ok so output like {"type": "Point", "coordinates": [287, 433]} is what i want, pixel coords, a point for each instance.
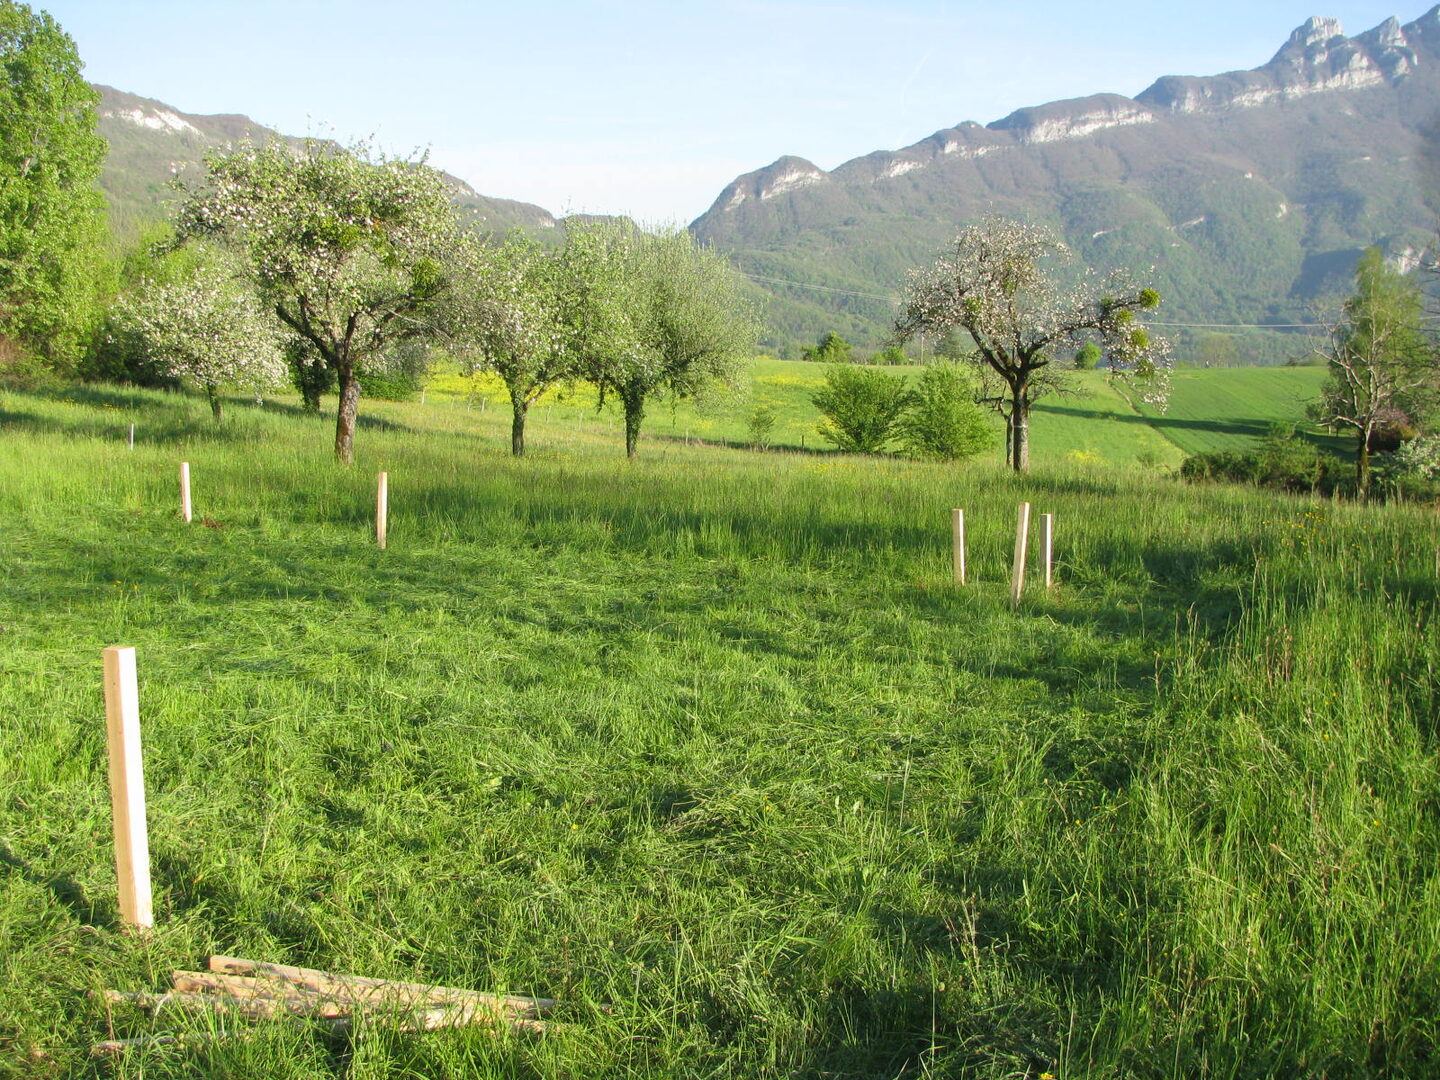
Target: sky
{"type": "Point", "coordinates": [651, 107]}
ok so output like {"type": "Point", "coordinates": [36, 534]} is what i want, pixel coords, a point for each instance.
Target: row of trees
{"type": "Point", "coordinates": [335, 260]}
{"type": "Point", "coordinates": [332, 262]}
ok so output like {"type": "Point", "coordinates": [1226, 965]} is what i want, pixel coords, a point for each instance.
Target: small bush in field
{"type": "Point", "coordinates": [861, 407]}
{"type": "Point", "coordinates": [943, 421]}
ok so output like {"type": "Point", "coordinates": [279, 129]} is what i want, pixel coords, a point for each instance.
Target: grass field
{"type": "Point", "coordinates": [1209, 409]}
{"type": "Point", "coordinates": [713, 742]}
{"type": "Point", "coordinates": [1215, 409]}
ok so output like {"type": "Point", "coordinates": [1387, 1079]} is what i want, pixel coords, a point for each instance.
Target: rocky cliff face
{"type": "Point", "coordinates": [1317, 59]}
{"type": "Point", "coordinates": [1244, 197]}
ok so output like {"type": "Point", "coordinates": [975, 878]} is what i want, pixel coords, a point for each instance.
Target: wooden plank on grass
{"type": "Point", "coordinates": [362, 989]}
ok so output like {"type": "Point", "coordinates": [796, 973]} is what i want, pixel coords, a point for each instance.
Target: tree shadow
{"type": "Point", "coordinates": [66, 890]}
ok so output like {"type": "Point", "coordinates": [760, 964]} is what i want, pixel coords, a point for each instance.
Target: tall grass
{"type": "Point", "coordinates": [713, 740]}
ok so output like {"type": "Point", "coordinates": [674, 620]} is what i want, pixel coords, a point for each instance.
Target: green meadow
{"type": "Point", "coordinates": [1103, 422]}
{"type": "Point", "coordinates": [712, 749]}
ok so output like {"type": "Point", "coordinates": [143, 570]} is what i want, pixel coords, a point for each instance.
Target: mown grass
{"type": "Point", "coordinates": [713, 740]}
{"type": "Point", "coordinates": [1217, 409]}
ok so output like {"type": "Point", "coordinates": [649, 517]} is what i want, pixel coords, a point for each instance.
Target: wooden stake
{"type": "Point", "coordinates": [382, 509]}
{"type": "Point", "coordinates": [958, 529]}
{"type": "Point", "coordinates": [127, 786]}
{"type": "Point", "coordinates": [185, 491]}
{"type": "Point", "coordinates": [1047, 547]}
{"type": "Point", "coordinates": [1022, 537]}
{"type": "Point", "coordinates": [132, 436]}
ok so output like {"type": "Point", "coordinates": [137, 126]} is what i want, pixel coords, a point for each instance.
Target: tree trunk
{"type": "Point", "coordinates": [518, 408]}
{"type": "Point", "coordinates": [346, 414]}
{"type": "Point", "coordinates": [1362, 463]}
{"type": "Point", "coordinates": [634, 414]}
{"type": "Point", "coordinates": [1019, 431]}
{"type": "Point", "coordinates": [215, 403]}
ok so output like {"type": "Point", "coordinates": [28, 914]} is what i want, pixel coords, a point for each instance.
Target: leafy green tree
{"type": "Point", "coordinates": [207, 328]}
{"type": "Point", "coordinates": [1087, 357]}
{"type": "Point", "coordinates": [51, 211]}
{"type": "Point", "coordinates": [862, 407]}
{"type": "Point", "coordinates": [943, 421]}
{"type": "Point", "coordinates": [507, 315]}
{"type": "Point", "coordinates": [683, 324]}
{"type": "Point", "coordinates": [1381, 363]}
{"type": "Point", "coordinates": [762, 425]}
{"type": "Point", "coordinates": [1217, 350]}
{"type": "Point", "coordinates": [346, 251]}
{"type": "Point", "coordinates": [830, 349]}
{"type": "Point", "coordinates": [891, 355]}
{"type": "Point", "coordinates": [997, 285]}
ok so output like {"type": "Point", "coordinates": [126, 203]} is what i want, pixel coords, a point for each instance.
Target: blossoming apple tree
{"type": "Point", "coordinates": [346, 250]}
{"type": "Point", "coordinates": [1002, 285]}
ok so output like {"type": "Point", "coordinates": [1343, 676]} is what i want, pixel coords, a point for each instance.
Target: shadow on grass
{"type": "Point", "coordinates": [165, 417]}
{"type": "Point", "coordinates": [66, 891]}
{"type": "Point", "coordinates": [1236, 426]}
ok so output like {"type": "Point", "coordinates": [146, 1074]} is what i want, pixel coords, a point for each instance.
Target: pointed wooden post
{"type": "Point", "coordinates": [382, 509]}
{"type": "Point", "coordinates": [185, 491]}
{"type": "Point", "coordinates": [1047, 547]}
{"type": "Point", "coordinates": [1022, 537]}
{"type": "Point", "coordinates": [127, 787]}
{"type": "Point", "coordinates": [132, 436]}
{"type": "Point", "coordinates": [958, 542]}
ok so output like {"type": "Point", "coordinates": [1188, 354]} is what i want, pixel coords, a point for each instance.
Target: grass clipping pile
{"type": "Point", "coordinates": [337, 1004]}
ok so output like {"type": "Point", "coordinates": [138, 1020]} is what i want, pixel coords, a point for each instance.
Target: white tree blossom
{"type": "Point", "coordinates": [506, 315]}
{"type": "Point", "coordinates": [1001, 285]}
{"type": "Point", "coordinates": [208, 328]}
{"type": "Point", "coordinates": [346, 251]}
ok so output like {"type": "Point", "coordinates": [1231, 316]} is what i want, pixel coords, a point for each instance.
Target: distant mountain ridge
{"type": "Point", "coordinates": [150, 141]}
{"type": "Point", "coordinates": [1249, 193]}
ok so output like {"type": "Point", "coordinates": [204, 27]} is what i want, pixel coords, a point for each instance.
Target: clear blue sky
{"type": "Point", "coordinates": [650, 107]}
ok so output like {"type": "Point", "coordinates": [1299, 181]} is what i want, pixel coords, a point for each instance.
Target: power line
{"type": "Point", "coordinates": [1243, 325]}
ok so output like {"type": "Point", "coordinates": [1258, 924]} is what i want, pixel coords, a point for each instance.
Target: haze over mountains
{"type": "Point", "coordinates": [1244, 197]}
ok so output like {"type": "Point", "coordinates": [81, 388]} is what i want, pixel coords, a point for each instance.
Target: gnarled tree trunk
{"type": "Point", "coordinates": [346, 414]}
{"type": "Point", "coordinates": [519, 407]}
{"type": "Point", "coordinates": [1019, 448]}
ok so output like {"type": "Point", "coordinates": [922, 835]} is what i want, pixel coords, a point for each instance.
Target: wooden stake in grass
{"type": "Point", "coordinates": [185, 491]}
{"type": "Point", "coordinates": [132, 436]}
{"type": "Point", "coordinates": [957, 518]}
{"type": "Point", "coordinates": [1022, 538]}
{"type": "Point", "coordinates": [127, 786]}
{"type": "Point", "coordinates": [1047, 547]}
{"type": "Point", "coordinates": [382, 509]}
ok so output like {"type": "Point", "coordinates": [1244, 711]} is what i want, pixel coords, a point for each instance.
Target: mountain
{"type": "Point", "coordinates": [150, 142]}
{"type": "Point", "coordinates": [1244, 197]}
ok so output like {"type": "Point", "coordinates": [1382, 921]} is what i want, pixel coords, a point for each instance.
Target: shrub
{"type": "Point", "coordinates": [1413, 471]}
{"type": "Point", "coordinates": [943, 422]}
{"type": "Point", "coordinates": [762, 423]}
{"type": "Point", "coordinates": [861, 407]}
{"type": "Point", "coordinates": [830, 349]}
{"type": "Point", "coordinates": [1283, 462]}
